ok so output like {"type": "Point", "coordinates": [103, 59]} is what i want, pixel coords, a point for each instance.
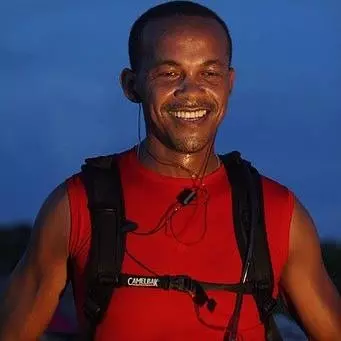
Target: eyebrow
{"type": "Point", "coordinates": [214, 62]}
{"type": "Point", "coordinates": [170, 62]}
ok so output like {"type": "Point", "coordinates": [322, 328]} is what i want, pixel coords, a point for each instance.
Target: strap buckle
{"type": "Point", "coordinates": [269, 304]}
{"type": "Point", "coordinates": [197, 292]}
{"type": "Point", "coordinates": [268, 307]}
{"type": "Point", "coordinates": [92, 310]}
{"type": "Point", "coordinates": [182, 283]}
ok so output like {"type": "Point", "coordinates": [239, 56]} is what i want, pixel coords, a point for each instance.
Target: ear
{"type": "Point", "coordinates": [128, 84]}
{"type": "Point", "coordinates": [231, 79]}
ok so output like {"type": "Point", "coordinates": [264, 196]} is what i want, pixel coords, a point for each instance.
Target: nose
{"type": "Point", "coordinates": [189, 87]}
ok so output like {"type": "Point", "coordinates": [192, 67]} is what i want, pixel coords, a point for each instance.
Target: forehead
{"type": "Point", "coordinates": [182, 38]}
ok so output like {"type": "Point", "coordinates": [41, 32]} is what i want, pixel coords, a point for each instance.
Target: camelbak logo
{"type": "Point", "coordinates": [142, 282]}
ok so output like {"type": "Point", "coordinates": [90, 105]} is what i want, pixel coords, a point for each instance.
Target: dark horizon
{"type": "Point", "coordinates": [61, 100]}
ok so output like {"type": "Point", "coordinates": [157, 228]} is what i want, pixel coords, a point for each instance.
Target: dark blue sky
{"type": "Point", "coordinates": [60, 99]}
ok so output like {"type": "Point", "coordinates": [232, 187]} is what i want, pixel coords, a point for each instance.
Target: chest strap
{"type": "Point", "coordinates": [196, 289]}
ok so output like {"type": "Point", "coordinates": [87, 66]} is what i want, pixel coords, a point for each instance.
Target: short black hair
{"type": "Point", "coordinates": [166, 10]}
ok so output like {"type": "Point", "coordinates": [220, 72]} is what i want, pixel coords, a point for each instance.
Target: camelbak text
{"type": "Point", "coordinates": [142, 281]}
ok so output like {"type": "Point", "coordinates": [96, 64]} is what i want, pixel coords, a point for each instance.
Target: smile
{"type": "Point", "coordinates": [189, 115]}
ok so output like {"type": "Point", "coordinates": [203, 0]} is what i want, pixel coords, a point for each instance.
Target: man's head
{"type": "Point", "coordinates": [180, 54]}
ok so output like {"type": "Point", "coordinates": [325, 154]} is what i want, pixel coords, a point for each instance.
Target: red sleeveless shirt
{"type": "Point", "coordinates": [204, 247]}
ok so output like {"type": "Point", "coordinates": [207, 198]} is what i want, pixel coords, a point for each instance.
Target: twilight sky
{"type": "Point", "coordinates": [60, 99]}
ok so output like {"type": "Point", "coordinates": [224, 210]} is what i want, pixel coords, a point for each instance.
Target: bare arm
{"type": "Point", "coordinates": [39, 278]}
{"type": "Point", "coordinates": [306, 282]}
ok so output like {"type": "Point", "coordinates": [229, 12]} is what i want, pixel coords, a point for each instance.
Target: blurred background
{"type": "Point", "coordinates": [60, 101]}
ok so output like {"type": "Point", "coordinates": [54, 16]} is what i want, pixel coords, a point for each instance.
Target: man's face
{"type": "Point", "coordinates": [184, 81]}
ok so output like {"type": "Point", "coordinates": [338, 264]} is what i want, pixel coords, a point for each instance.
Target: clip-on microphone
{"type": "Point", "coordinates": [186, 196]}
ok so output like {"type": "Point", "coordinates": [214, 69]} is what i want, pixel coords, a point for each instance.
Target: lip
{"type": "Point", "coordinates": [189, 109]}
{"type": "Point", "coordinates": [191, 121]}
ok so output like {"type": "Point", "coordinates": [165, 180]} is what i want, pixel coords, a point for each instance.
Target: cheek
{"type": "Point", "coordinates": [223, 92]}
{"type": "Point", "coordinates": [157, 95]}
{"type": "Point", "coordinates": [220, 96]}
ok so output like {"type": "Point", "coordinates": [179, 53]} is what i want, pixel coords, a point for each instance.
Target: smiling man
{"type": "Point", "coordinates": [179, 195]}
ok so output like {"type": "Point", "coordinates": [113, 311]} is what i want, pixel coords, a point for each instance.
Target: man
{"type": "Point", "coordinates": [181, 74]}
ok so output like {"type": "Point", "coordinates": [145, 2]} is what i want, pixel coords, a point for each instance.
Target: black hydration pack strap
{"type": "Point", "coordinates": [248, 219]}
{"type": "Point", "coordinates": [102, 182]}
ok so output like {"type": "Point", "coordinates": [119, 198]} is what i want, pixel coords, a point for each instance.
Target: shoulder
{"type": "Point", "coordinates": [303, 232]}
{"type": "Point", "coordinates": [50, 235]}
{"type": "Point", "coordinates": [54, 208]}
{"type": "Point", "coordinates": [277, 196]}
{"type": "Point", "coordinates": [274, 187]}
{"type": "Point", "coordinates": [74, 184]}
{"type": "Point", "coordinates": [80, 221]}
{"type": "Point", "coordinates": [105, 161]}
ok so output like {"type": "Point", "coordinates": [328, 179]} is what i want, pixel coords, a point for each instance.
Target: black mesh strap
{"type": "Point", "coordinates": [244, 203]}
{"type": "Point", "coordinates": [101, 179]}
{"type": "Point", "coordinates": [262, 269]}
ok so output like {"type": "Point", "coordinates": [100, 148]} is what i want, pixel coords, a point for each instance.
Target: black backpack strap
{"type": "Point", "coordinates": [101, 179]}
{"type": "Point", "coordinates": [247, 200]}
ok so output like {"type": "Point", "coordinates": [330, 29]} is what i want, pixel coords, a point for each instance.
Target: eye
{"type": "Point", "coordinates": [168, 74]}
{"type": "Point", "coordinates": [210, 74]}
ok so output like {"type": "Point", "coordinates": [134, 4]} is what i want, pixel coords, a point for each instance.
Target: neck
{"type": "Point", "coordinates": [156, 156]}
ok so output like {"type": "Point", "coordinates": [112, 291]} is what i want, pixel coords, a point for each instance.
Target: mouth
{"type": "Point", "coordinates": [189, 115]}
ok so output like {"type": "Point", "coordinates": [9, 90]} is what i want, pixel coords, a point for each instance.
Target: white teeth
{"type": "Point", "coordinates": [189, 115]}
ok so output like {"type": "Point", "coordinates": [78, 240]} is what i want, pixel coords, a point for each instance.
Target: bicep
{"type": "Point", "coordinates": [306, 282]}
{"type": "Point", "coordinates": [39, 278]}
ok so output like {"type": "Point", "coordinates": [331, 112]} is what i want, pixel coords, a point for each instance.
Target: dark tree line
{"type": "Point", "coordinates": [13, 243]}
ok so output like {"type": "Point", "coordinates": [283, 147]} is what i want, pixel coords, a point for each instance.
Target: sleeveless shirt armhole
{"type": "Point", "coordinates": [77, 202]}
{"type": "Point", "coordinates": [291, 204]}
{"type": "Point", "coordinates": [278, 206]}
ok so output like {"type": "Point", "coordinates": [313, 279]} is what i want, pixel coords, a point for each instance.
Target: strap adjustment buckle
{"type": "Point", "coordinates": [192, 287]}
{"type": "Point", "coordinates": [92, 310]}
{"type": "Point", "coordinates": [269, 304]}
{"type": "Point", "coordinates": [182, 283]}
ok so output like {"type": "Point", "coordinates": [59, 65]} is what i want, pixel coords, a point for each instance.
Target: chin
{"type": "Point", "coordinates": [190, 146]}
